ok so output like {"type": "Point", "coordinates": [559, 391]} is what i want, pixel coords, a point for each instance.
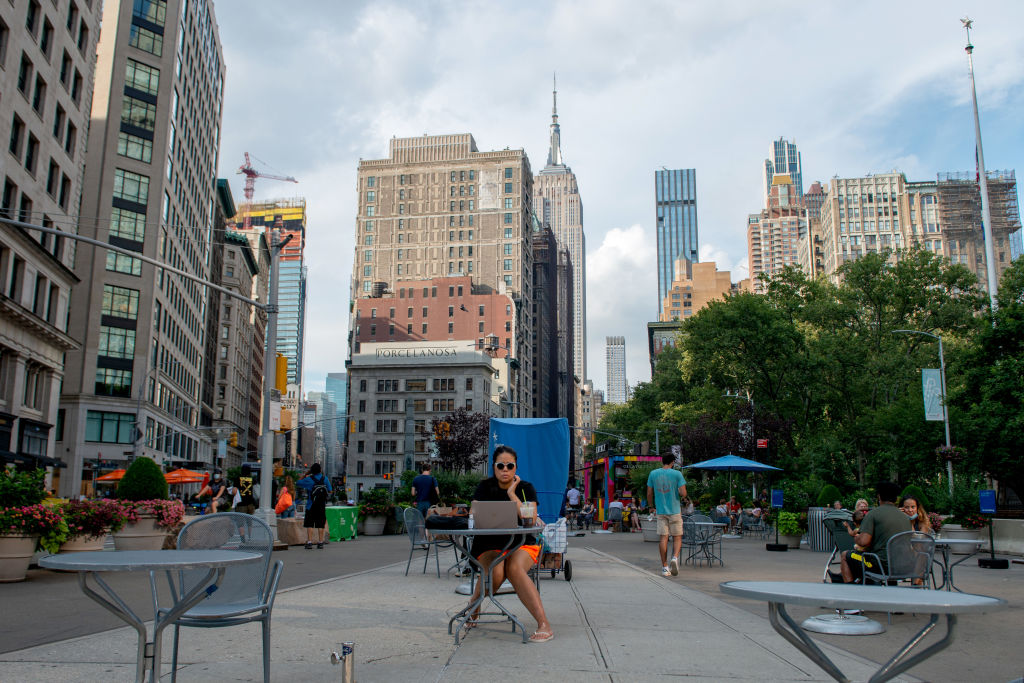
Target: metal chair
{"type": "Point", "coordinates": [246, 594]}
{"type": "Point", "coordinates": [419, 539]}
{"type": "Point", "coordinates": [755, 525]}
{"type": "Point", "coordinates": [615, 518]}
{"type": "Point", "coordinates": [842, 542]}
{"type": "Point", "coordinates": [909, 558]}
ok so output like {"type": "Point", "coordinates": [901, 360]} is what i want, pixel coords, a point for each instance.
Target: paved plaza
{"type": "Point", "coordinates": [617, 620]}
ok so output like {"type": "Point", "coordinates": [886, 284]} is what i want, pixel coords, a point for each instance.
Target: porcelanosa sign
{"type": "Point", "coordinates": [430, 352]}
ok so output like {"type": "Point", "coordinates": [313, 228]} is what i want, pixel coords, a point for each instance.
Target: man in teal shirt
{"type": "Point", "coordinates": [665, 487]}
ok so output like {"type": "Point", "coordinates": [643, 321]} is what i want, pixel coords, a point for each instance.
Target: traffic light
{"type": "Point", "coordinates": [233, 439]}
{"type": "Point", "coordinates": [387, 475]}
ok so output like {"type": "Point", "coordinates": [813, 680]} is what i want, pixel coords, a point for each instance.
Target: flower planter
{"type": "Point", "coordinates": [792, 541]}
{"type": "Point", "coordinates": [15, 555]}
{"type": "Point", "coordinates": [955, 531]}
{"type": "Point", "coordinates": [375, 525]}
{"type": "Point", "coordinates": [144, 534]}
{"type": "Point", "coordinates": [80, 544]}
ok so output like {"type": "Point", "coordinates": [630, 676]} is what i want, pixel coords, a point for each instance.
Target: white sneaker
{"type": "Point", "coordinates": [674, 566]}
{"type": "Point", "coordinates": [665, 571]}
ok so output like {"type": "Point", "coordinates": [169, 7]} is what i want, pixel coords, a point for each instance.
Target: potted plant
{"type": "Point", "coordinates": [964, 521]}
{"type": "Point", "coordinates": [148, 513]}
{"type": "Point", "coordinates": [374, 507]}
{"type": "Point", "coordinates": [26, 525]}
{"type": "Point", "coordinates": [89, 522]}
{"type": "Point", "coordinates": [791, 529]}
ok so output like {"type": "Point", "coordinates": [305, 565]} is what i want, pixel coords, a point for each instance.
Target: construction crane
{"type": "Point", "coordinates": [251, 174]}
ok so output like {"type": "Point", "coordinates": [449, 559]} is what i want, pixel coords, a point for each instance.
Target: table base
{"type": "Point", "coordinates": [842, 624]}
{"type": "Point", "coordinates": [900, 662]}
{"type": "Point", "coordinates": [947, 567]}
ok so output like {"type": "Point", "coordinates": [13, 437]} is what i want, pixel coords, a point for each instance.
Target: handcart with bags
{"type": "Point", "coordinates": [554, 544]}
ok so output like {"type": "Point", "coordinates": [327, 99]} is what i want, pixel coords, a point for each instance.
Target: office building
{"type": "Point", "coordinates": [288, 216]}
{"type": "Point", "coordinates": [675, 193]}
{"type": "Point", "coordinates": [47, 62]}
{"type": "Point", "coordinates": [438, 208]}
{"type": "Point", "coordinates": [396, 391]}
{"type": "Point", "coordinates": [329, 425]}
{"type": "Point", "coordinates": [557, 203]}
{"type": "Point", "coordinates": [773, 234]}
{"type": "Point", "coordinates": [150, 184]}
{"type": "Point", "coordinates": [810, 256]}
{"type": "Point", "coordinates": [694, 286]}
{"type": "Point", "coordinates": [783, 159]}
{"type": "Point", "coordinates": [618, 385]}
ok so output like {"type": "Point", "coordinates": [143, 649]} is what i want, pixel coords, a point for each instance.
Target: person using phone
{"type": "Point", "coordinates": [505, 484]}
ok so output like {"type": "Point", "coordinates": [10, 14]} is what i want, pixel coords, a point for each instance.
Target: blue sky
{"type": "Point", "coordinates": [312, 87]}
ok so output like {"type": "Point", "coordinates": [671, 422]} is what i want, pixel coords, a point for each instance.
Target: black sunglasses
{"type": "Point", "coordinates": [504, 465]}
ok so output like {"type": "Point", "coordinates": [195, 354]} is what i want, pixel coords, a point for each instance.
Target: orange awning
{"type": "Point", "coordinates": [183, 476]}
{"type": "Point", "coordinates": [112, 476]}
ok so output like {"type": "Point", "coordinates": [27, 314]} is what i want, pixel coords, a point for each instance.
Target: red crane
{"type": "Point", "coordinates": [251, 174]}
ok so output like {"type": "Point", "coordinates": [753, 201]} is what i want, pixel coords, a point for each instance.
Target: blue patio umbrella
{"type": "Point", "coordinates": [732, 463]}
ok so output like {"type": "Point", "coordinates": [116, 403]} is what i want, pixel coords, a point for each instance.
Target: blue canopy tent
{"type": "Point", "coordinates": [542, 456]}
{"type": "Point", "coordinates": [732, 463]}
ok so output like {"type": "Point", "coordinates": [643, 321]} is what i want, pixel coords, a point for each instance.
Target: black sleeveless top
{"type": "Point", "coordinates": [488, 489]}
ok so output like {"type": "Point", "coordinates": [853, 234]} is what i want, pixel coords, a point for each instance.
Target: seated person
{"type": "Point", "coordinates": [721, 513]}
{"type": "Point", "coordinates": [587, 514]}
{"type": "Point", "coordinates": [217, 489]}
{"type": "Point", "coordinates": [913, 509]}
{"type": "Point", "coordinates": [878, 526]}
{"type": "Point", "coordinates": [734, 511]}
{"type": "Point", "coordinates": [687, 506]}
{"type": "Point", "coordinates": [634, 517]}
{"type": "Point", "coordinates": [615, 515]}
{"type": "Point", "coordinates": [861, 506]}
{"type": "Point", "coordinates": [505, 484]}
{"type": "Point", "coordinates": [837, 505]}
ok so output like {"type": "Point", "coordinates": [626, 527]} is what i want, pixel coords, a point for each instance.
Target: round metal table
{"type": "Point", "coordinates": [947, 546]}
{"type": "Point", "coordinates": [95, 563]}
{"type": "Point", "coordinates": [778, 594]}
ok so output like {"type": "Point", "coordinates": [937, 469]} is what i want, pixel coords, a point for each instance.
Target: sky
{"type": "Point", "coordinates": [314, 86]}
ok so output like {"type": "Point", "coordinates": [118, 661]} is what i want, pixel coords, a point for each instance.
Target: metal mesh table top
{"type": "Point", "coordinates": [875, 598]}
{"type": "Point", "coordinates": [145, 560]}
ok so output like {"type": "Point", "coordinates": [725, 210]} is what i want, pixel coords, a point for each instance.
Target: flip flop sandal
{"type": "Point", "coordinates": [541, 636]}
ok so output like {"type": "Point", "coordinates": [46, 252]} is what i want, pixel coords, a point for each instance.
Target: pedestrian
{"type": "Point", "coordinates": [572, 501]}
{"type": "Point", "coordinates": [246, 490]}
{"type": "Point", "coordinates": [665, 486]}
{"type": "Point", "coordinates": [425, 490]}
{"type": "Point", "coordinates": [319, 487]}
{"type": "Point", "coordinates": [285, 507]}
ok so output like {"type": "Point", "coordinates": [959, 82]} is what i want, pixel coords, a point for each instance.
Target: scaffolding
{"type": "Point", "coordinates": [960, 204]}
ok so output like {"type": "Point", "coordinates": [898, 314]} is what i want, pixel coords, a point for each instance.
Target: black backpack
{"type": "Point", "coordinates": [318, 494]}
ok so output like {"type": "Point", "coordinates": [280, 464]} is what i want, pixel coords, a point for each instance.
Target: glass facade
{"type": "Point", "coordinates": [784, 158]}
{"type": "Point", "coordinates": [291, 317]}
{"type": "Point", "coordinates": [675, 194]}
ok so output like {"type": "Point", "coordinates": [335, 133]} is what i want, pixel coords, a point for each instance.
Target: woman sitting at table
{"type": "Point", "coordinates": [506, 485]}
{"type": "Point", "coordinates": [918, 517]}
{"type": "Point", "coordinates": [587, 514]}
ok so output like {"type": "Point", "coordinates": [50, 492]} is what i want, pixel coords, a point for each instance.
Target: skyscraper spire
{"type": "Point", "coordinates": [555, 151]}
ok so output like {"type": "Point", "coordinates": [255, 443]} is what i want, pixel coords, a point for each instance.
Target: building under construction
{"type": "Point", "coordinates": [959, 199]}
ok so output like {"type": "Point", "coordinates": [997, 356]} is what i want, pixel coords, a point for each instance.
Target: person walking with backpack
{"type": "Point", "coordinates": [319, 488]}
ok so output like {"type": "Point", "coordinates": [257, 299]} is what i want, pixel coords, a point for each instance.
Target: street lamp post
{"type": "Point", "coordinates": [945, 409]}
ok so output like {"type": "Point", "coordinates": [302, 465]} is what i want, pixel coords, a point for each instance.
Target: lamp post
{"type": "Point", "coordinates": [945, 409]}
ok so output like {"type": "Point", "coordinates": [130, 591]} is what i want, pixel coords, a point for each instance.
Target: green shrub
{"type": "Point", "coordinates": [790, 524]}
{"type": "Point", "coordinates": [916, 492]}
{"type": "Point", "coordinates": [20, 489]}
{"type": "Point", "coordinates": [376, 502]}
{"type": "Point", "coordinates": [143, 481]}
{"type": "Point", "coordinates": [828, 495]}
{"type": "Point", "coordinates": [457, 487]}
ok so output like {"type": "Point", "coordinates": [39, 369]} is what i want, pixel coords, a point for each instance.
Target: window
{"type": "Point", "coordinates": [120, 302]}
{"type": "Point", "coordinates": [416, 385]}
{"type": "Point", "coordinates": [508, 218]}
{"type": "Point", "coordinates": [32, 19]}
{"type": "Point", "coordinates": [371, 181]}
{"type": "Point", "coordinates": [51, 178]}
{"type": "Point", "coordinates": [47, 40]}
{"type": "Point", "coordinates": [508, 173]}
{"type": "Point", "coordinates": [110, 382]}
{"type": "Point", "coordinates": [371, 196]}
{"type": "Point", "coordinates": [141, 77]}
{"type": "Point", "coordinates": [508, 264]}
{"type": "Point", "coordinates": [508, 202]}
{"type": "Point", "coordinates": [5, 36]}
{"type": "Point", "coordinates": [469, 384]}
{"type": "Point", "coordinates": [134, 147]}
{"type": "Point", "coordinates": [59, 117]}
{"type": "Point", "coordinates": [109, 427]}
{"type": "Point", "coordinates": [65, 192]}
{"type": "Point", "coordinates": [146, 40]}
{"type": "Point", "coordinates": [24, 74]}
{"type": "Point", "coordinates": [83, 37]}
{"type": "Point", "coordinates": [17, 135]}
{"type": "Point", "coordinates": [76, 88]}
{"type": "Point", "coordinates": [451, 328]}
{"type": "Point", "coordinates": [508, 233]}
{"type": "Point", "coordinates": [122, 263]}
{"type": "Point", "coordinates": [137, 113]}
{"type": "Point", "coordinates": [70, 139]}
{"type": "Point", "coordinates": [131, 186]}
{"type": "Point", "coordinates": [116, 342]}
{"type": "Point", "coordinates": [153, 11]}
{"type": "Point", "coordinates": [128, 224]}
{"type": "Point", "coordinates": [39, 95]}
{"type": "Point", "coordinates": [31, 154]}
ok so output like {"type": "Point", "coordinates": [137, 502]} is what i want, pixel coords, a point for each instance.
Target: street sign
{"type": "Point", "coordinates": [777, 499]}
{"type": "Point", "coordinates": [762, 443]}
{"type": "Point", "coordinates": [987, 501]}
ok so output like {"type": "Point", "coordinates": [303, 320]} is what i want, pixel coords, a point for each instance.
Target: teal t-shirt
{"type": "Point", "coordinates": [666, 483]}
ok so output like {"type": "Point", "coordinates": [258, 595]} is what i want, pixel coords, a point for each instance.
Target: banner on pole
{"type": "Point", "coordinates": [931, 385]}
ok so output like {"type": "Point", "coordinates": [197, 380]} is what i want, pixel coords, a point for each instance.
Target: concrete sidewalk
{"type": "Point", "coordinates": [613, 622]}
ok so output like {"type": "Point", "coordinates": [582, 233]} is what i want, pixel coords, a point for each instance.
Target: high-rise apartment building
{"type": "Point", "coordinates": [810, 254]}
{"type": "Point", "coordinates": [694, 286]}
{"type": "Point", "coordinates": [618, 385]}
{"type": "Point", "coordinates": [150, 187]}
{"type": "Point", "coordinates": [675, 193]}
{"type": "Point", "coordinates": [784, 159]}
{"type": "Point", "coordinates": [773, 235]}
{"type": "Point", "coordinates": [288, 216]}
{"type": "Point", "coordinates": [47, 60]}
{"type": "Point", "coordinates": [557, 203]}
{"type": "Point", "coordinates": [337, 389]}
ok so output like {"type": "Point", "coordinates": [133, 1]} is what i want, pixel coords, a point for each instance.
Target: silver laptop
{"type": "Point", "coordinates": [495, 514]}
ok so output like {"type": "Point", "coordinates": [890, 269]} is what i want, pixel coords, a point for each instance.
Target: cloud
{"type": "Point", "coordinates": [861, 87]}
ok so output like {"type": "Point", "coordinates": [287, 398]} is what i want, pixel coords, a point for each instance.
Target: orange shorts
{"type": "Point", "coordinates": [532, 550]}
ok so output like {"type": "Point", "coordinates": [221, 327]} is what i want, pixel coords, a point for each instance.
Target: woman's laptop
{"type": "Point", "coordinates": [495, 514]}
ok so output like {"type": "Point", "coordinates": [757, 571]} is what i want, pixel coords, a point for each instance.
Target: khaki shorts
{"type": "Point", "coordinates": [670, 525]}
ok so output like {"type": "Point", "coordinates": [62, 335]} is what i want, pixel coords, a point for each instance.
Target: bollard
{"type": "Point", "coordinates": [347, 659]}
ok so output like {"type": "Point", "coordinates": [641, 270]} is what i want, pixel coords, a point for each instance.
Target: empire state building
{"type": "Point", "coordinates": [557, 200]}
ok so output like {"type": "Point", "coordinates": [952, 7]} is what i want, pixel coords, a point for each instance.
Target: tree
{"type": "Point", "coordinates": [460, 438]}
{"type": "Point", "coordinates": [988, 404]}
{"type": "Point", "coordinates": [143, 481]}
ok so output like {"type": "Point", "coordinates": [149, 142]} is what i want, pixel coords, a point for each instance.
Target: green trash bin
{"type": "Point", "coordinates": [341, 520]}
